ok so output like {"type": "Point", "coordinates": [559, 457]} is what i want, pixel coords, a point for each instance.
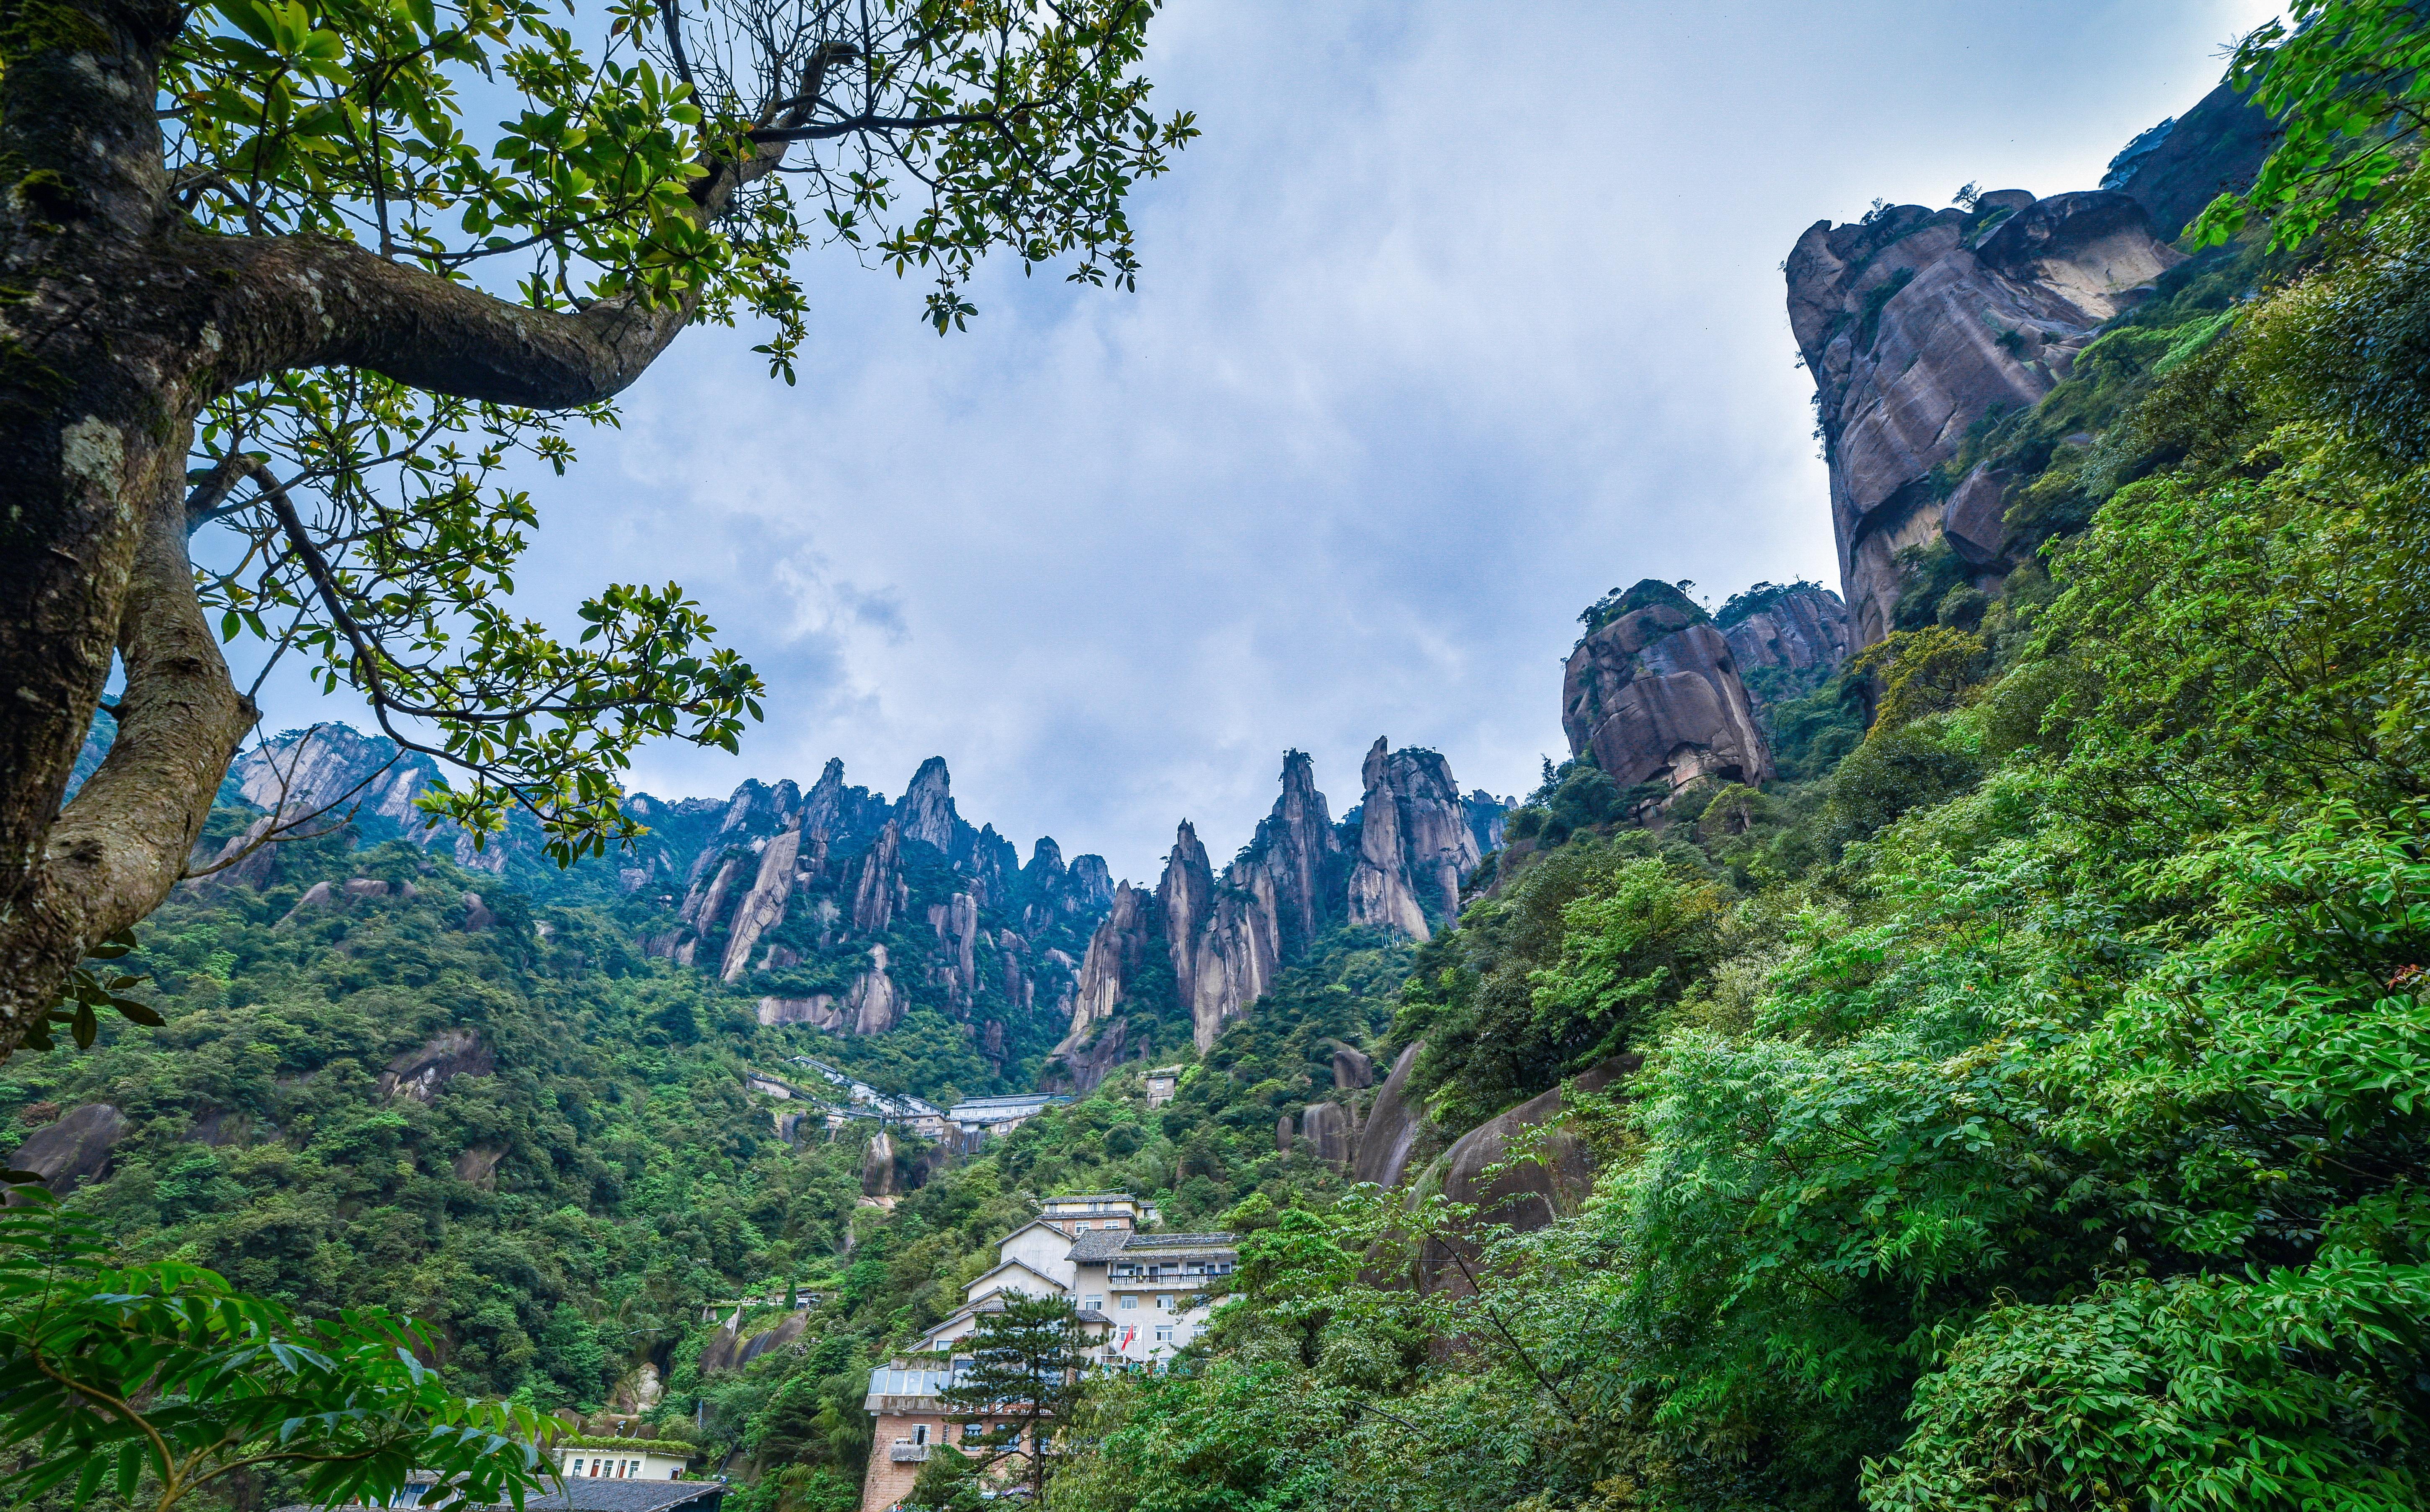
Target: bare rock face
{"type": "Point", "coordinates": [477, 1165]}
{"type": "Point", "coordinates": [1352, 1071]}
{"type": "Point", "coordinates": [957, 925]}
{"type": "Point", "coordinates": [1414, 842]}
{"type": "Point", "coordinates": [1655, 696]}
{"type": "Point", "coordinates": [75, 1149]}
{"type": "Point", "coordinates": [1527, 1195]}
{"type": "Point", "coordinates": [1488, 818]}
{"type": "Point", "coordinates": [2180, 166]}
{"type": "Point", "coordinates": [877, 1167]}
{"type": "Point", "coordinates": [785, 1333]}
{"type": "Point", "coordinates": [424, 1073]}
{"type": "Point", "coordinates": [1393, 1124]}
{"type": "Point", "coordinates": [874, 1002]}
{"type": "Point", "coordinates": [1124, 940]}
{"type": "Point", "coordinates": [818, 1010]}
{"type": "Point", "coordinates": [881, 891]}
{"type": "Point", "coordinates": [763, 906]}
{"type": "Point", "coordinates": [1327, 1128]}
{"type": "Point", "coordinates": [478, 916]}
{"type": "Point", "coordinates": [1915, 322]}
{"type": "Point", "coordinates": [1803, 629]}
{"type": "Point", "coordinates": [927, 812]}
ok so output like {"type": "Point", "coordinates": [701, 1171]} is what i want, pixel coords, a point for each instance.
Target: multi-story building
{"type": "Point", "coordinates": [977, 1118]}
{"type": "Point", "coordinates": [623, 1460]}
{"type": "Point", "coordinates": [1162, 1082]}
{"type": "Point", "coordinates": [1140, 1298]}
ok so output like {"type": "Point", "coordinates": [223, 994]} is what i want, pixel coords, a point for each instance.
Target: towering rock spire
{"type": "Point", "coordinates": [1185, 899]}
{"type": "Point", "coordinates": [927, 812]}
{"type": "Point", "coordinates": [881, 883]}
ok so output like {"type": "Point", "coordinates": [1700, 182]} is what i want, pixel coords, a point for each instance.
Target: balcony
{"type": "Point", "coordinates": [908, 1453]}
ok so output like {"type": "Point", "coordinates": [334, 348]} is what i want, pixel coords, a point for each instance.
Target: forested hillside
{"type": "Point", "coordinates": [1981, 1069]}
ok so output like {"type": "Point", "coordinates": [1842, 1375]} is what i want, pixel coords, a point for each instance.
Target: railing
{"type": "Point", "coordinates": [908, 1453]}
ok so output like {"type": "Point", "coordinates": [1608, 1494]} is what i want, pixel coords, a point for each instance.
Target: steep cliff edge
{"type": "Point", "coordinates": [1917, 324]}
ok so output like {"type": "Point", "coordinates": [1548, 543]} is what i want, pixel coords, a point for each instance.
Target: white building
{"type": "Point", "coordinates": [1140, 1298]}
{"type": "Point", "coordinates": [623, 1460]}
{"type": "Point", "coordinates": [977, 1118]}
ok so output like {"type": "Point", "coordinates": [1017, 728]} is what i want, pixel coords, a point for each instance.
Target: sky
{"type": "Point", "coordinates": [1456, 316]}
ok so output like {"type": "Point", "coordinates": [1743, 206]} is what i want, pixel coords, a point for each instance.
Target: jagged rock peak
{"type": "Point", "coordinates": [1655, 694]}
{"type": "Point", "coordinates": [1091, 881]}
{"type": "Point", "coordinates": [1414, 843]}
{"type": "Point", "coordinates": [927, 812]}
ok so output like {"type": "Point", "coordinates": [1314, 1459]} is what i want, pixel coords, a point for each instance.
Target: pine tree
{"type": "Point", "coordinates": [1025, 1376]}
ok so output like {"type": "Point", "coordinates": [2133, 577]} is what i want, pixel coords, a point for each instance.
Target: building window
{"type": "Point", "coordinates": [1094, 1303]}
{"type": "Point", "coordinates": [1164, 1334]}
{"type": "Point", "coordinates": [1082, 1229]}
{"type": "Point", "coordinates": [920, 1434]}
{"type": "Point", "coordinates": [973, 1432]}
{"type": "Point", "coordinates": [1165, 1304]}
{"type": "Point", "coordinates": [1130, 1301]}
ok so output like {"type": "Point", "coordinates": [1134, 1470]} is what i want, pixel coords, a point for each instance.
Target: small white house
{"type": "Point", "coordinates": [624, 1459]}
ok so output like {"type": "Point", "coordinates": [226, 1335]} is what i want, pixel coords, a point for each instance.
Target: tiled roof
{"type": "Point", "coordinates": [1090, 1315]}
{"type": "Point", "coordinates": [592, 1493]}
{"type": "Point", "coordinates": [1177, 1241]}
{"type": "Point", "coordinates": [1098, 1245]}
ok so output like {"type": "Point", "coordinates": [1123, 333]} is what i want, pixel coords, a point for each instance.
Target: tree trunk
{"type": "Point", "coordinates": [120, 320]}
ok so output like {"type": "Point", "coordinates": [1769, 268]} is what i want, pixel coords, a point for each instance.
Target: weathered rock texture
{"type": "Point", "coordinates": [1916, 323]}
{"type": "Point", "coordinates": [1393, 1124]}
{"type": "Point", "coordinates": [424, 1073]}
{"type": "Point", "coordinates": [75, 1149]}
{"type": "Point", "coordinates": [1479, 1171]}
{"type": "Point", "coordinates": [1656, 696]}
{"type": "Point", "coordinates": [1224, 935]}
{"type": "Point", "coordinates": [1800, 629]}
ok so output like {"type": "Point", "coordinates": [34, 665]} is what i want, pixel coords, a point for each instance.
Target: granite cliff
{"type": "Point", "coordinates": [1214, 941]}
{"type": "Point", "coordinates": [1917, 324]}
{"type": "Point", "coordinates": [1652, 693]}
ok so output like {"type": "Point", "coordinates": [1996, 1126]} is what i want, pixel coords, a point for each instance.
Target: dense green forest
{"type": "Point", "coordinates": [2019, 1104]}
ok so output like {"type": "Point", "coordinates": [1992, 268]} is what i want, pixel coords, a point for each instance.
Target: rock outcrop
{"type": "Point", "coordinates": [1325, 1126]}
{"type": "Point", "coordinates": [1654, 695]}
{"type": "Point", "coordinates": [1415, 847]}
{"type": "Point", "coordinates": [422, 1073]}
{"type": "Point", "coordinates": [1801, 629]}
{"type": "Point", "coordinates": [874, 1002]}
{"type": "Point", "coordinates": [1478, 1170]}
{"type": "Point", "coordinates": [74, 1149]}
{"type": "Point", "coordinates": [1916, 323]}
{"type": "Point", "coordinates": [1227, 936]}
{"type": "Point", "coordinates": [1390, 1136]}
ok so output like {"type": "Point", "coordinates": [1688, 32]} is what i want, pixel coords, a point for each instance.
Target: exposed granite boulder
{"type": "Point", "coordinates": [1524, 1194]}
{"type": "Point", "coordinates": [478, 916]}
{"type": "Point", "coordinates": [1390, 1136]}
{"type": "Point", "coordinates": [75, 1149]}
{"type": "Point", "coordinates": [477, 1165]}
{"type": "Point", "coordinates": [422, 1073]}
{"type": "Point", "coordinates": [874, 1002]}
{"type": "Point", "coordinates": [785, 1333]}
{"type": "Point", "coordinates": [818, 1010]}
{"type": "Point", "coordinates": [1327, 1128]}
{"type": "Point", "coordinates": [1352, 1070]}
{"type": "Point", "coordinates": [1972, 518]}
{"type": "Point", "coordinates": [1655, 696]}
{"type": "Point", "coordinates": [877, 1167]}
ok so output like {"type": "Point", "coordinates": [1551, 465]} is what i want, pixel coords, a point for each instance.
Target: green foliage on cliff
{"type": "Point", "coordinates": [2052, 1135]}
{"type": "Point", "coordinates": [1647, 595]}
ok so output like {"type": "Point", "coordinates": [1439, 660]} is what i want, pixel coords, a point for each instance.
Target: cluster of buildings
{"type": "Point", "coordinates": [845, 1098]}
{"type": "Point", "coordinates": [1140, 1298]}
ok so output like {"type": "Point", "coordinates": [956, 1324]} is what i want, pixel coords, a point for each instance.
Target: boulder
{"type": "Point", "coordinates": [1327, 1128]}
{"type": "Point", "coordinates": [1804, 630]}
{"type": "Point", "coordinates": [818, 1010]}
{"type": "Point", "coordinates": [775, 1338]}
{"type": "Point", "coordinates": [1284, 1135]}
{"type": "Point", "coordinates": [75, 1149]}
{"type": "Point", "coordinates": [422, 1073]}
{"type": "Point", "coordinates": [1392, 1126]}
{"type": "Point", "coordinates": [478, 1166]}
{"type": "Point", "coordinates": [1352, 1070]}
{"type": "Point", "coordinates": [477, 917]}
{"type": "Point", "coordinates": [1974, 517]}
{"type": "Point", "coordinates": [1656, 696]}
{"type": "Point", "coordinates": [877, 1167]}
{"type": "Point", "coordinates": [1479, 1170]}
